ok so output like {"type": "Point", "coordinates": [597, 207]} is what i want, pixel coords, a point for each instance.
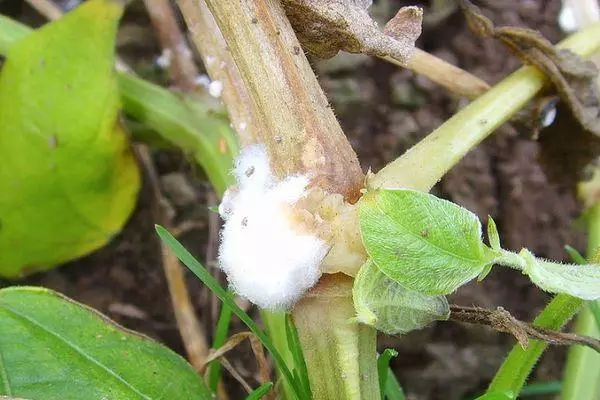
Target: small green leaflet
{"type": "Point", "coordinates": [582, 281]}
{"type": "Point", "coordinates": [386, 305]}
{"type": "Point", "coordinates": [434, 246]}
{"type": "Point", "coordinates": [424, 243]}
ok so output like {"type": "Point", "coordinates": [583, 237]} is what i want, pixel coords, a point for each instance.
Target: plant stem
{"type": "Point", "coordinates": [422, 166]}
{"type": "Point", "coordinates": [345, 350]}
{"type": "Point", "coordinates": [582, 372]}
{"type": "Point", "coordinates": [302, 134]}
{"type": "Point", "coordinates": [444, 74]}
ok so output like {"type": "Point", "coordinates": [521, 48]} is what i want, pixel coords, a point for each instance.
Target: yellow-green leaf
{"type": "Point", "coordinates": [68, 177]}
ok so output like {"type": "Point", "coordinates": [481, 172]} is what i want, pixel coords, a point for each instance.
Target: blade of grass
{"type": "Point", "coordinates": [518, 364]}
{"type": "Point", "coordinates": [221, 333]}
{"type": "Point", "coordinates": [186, 258]}
{"type": "Point", "coordinates": [541, 389]}
{"type": "Point", "coordinates": [575, 255]}
{"type": "Point", "coordinates": [383, 366]}
{"type": "Point", "coordinates": [582, 371]}
{"type": "Point", "coordinates": [299, 364]}
{"type": "Point", "coordinates": [393, 390]}
{"type": "Point", "coordinates": [260, 391]}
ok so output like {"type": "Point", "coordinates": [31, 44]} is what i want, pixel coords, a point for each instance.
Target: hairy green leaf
{"type": "Point", "coordinates": [387, 306]}
{"type": "Point", "coordinates": [68, 177]}
{"type": "Point", "coordinates": [422, 242]}
{"type": "Point", "coordinates": [52, 348]}
{"type": "Point", "coordinates": [578, 280]}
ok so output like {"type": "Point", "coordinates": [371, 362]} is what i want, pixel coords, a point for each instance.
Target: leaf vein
{"type": "Point", "coordinates": [77, 350]}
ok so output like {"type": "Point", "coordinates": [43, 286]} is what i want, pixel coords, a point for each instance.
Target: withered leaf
{"type": "Point", "coordinates": [573, 78]}
{"type": "Point", "coordinates": [325, 27]}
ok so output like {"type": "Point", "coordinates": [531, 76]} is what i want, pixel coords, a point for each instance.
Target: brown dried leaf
{"type": "Point", "coordinates": [325, 27]}
{"type": "Point", "coordinates": [573, 78]}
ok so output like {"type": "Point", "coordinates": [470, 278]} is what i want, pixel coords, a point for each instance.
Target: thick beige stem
{"type": "Point", "coordinates": [340, 355]}
{"type": "Point", "coordinates": [301, 131]}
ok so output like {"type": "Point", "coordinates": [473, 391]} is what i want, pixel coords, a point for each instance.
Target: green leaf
{"type": "Point", "coordinates": [422, 242]}
{"type": "Point", "coordinates": [260, 391]}
{"type": "Point", "coordinates": [188, 124]}
{"type": "Point", "coordinates": [493, 236]}
{"type": "Point", "coordinates": [300, 370]}
{"type": "Point", "coordinates": [68, 179]}
{"type": "Point", "coordinates": [53, 348]}
{"type": "Point", "coordinates": [386, 305]}
{"type": "Point", "coordinates": [383, 366]}
{"type": "Point", "coordinates": [189, 261]}
{"type": "Point", "coordinates": [582, 281]}
{"type": "Point", "coordinates": [496, 396]}
{"type": "Point", "coordinates": [393, 390]}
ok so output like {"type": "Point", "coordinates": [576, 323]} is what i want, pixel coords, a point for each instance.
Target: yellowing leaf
{"type": "Point", "coordinates": [68, 177]}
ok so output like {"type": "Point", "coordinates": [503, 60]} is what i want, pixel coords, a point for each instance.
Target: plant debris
{"type": "Point", "coordinates": [324, 27]}
{"type": "Point", "coordinates": [571, 140]}
{"type": "Point", "coordinates": [502, 321]}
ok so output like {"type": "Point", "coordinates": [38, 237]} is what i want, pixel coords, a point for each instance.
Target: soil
{"type": "Point", "coordinates": [383, 110]}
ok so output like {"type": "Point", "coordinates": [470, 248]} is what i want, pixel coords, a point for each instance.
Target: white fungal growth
{"type": "Point", "coordinates": [165, 59]}
{"type": "Point", "coordinates": [269, 258]}
{"type": "Point", "coordinates": [215, 88]}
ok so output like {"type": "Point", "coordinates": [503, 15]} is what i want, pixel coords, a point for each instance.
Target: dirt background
{"type": "Point", "coordinates": [383, 110]}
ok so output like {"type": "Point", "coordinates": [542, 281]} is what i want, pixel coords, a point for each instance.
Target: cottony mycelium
{"type": "Point", "coordinates": [281, 235]}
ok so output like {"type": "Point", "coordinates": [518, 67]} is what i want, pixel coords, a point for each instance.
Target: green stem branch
{"type": "Point", "coordinates": [422, 166]}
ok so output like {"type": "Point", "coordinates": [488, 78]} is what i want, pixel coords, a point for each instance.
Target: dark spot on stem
{"type": "Point", "coordinates": [249, 171]}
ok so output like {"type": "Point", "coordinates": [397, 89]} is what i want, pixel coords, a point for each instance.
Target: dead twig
{"type": "Point", "coordinates": [234, 341]}
{"type": "Point", "coordinates": [325, 27]}
{"type": "Point", "coordinates": [502, 321]}
{"type": "Point", "coordinates": [175, 48]}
